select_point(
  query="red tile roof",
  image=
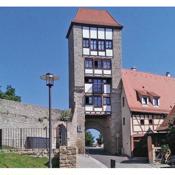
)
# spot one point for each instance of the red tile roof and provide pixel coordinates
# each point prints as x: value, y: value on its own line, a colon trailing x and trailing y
x: 97, y: 17
x: 94, y: 17
x: 161, y: 86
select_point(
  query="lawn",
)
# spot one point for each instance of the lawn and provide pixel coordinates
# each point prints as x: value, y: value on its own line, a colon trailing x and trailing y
x: 14, y: 160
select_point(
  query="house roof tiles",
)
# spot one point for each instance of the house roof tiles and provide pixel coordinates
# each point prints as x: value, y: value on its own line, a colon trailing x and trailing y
x: 155, y: 85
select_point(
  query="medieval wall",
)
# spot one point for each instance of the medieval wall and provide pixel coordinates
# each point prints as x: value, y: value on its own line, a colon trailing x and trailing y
x: 19, y: 122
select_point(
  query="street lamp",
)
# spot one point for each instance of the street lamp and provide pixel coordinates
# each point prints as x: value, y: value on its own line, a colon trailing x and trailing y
x: 49, y: 78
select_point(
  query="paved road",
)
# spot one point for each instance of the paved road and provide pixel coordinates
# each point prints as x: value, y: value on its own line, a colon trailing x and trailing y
x: 121, y: 161
x: 85, y: 161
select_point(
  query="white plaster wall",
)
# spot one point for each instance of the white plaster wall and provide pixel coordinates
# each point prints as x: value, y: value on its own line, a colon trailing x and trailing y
x: 85, y: 32
x: 88, y: 88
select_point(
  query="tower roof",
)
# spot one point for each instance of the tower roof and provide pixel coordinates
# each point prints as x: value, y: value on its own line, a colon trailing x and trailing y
x: 102, y: 18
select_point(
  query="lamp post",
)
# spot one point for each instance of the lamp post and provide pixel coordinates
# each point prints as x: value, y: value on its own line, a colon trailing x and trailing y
x: 49, y: 78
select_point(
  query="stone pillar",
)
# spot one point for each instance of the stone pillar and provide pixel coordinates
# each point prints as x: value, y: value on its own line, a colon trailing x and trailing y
x: 67, y: 157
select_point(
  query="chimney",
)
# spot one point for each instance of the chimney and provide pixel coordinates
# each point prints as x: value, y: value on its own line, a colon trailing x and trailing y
x: 168, y: 74
x: 133, y: 68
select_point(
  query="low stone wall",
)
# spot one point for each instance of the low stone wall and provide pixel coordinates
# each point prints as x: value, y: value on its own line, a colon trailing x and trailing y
x: 67, y: 157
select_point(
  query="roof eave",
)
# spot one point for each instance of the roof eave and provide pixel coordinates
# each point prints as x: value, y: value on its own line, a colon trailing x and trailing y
x: 120, y: 27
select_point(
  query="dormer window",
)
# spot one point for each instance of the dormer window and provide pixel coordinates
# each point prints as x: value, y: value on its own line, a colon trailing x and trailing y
x: 155, y: 101
x: 145, y: 100
x: 145, y: 96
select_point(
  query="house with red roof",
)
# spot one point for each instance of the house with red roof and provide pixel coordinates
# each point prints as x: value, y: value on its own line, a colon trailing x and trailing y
x: 147, y: 99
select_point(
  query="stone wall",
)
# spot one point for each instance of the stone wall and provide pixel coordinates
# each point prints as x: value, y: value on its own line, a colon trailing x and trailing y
x: 17, y: 115
x: 19, y: 122
x: 67, y: 157
x: 76, y: 130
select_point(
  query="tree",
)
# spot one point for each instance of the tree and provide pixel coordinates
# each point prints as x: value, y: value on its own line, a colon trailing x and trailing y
x: 100, y: 140
x: 10, y: 94
x: 171, y: 137
x: 89, y: 139
x: 66, y: 115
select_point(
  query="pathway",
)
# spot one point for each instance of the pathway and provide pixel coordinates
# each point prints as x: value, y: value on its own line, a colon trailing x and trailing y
x: 86, y: 161
x: 121, y: 161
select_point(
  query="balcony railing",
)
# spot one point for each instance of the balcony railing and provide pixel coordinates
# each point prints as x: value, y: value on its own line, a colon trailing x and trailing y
x: 98, y: 72
x: 103, y: 110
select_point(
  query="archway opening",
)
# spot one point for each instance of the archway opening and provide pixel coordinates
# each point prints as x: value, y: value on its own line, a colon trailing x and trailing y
x: 94, y: 141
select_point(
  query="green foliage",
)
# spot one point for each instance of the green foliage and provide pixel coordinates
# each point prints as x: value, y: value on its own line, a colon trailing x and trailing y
x: 14, y: 160
x: 10, y: 94
x: 171, y: 138
x: 89, y: 139
x: 66, y: 115
x: 100, y: 139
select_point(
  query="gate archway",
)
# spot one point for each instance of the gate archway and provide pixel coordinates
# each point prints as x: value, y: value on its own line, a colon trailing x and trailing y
x: 101, y: 125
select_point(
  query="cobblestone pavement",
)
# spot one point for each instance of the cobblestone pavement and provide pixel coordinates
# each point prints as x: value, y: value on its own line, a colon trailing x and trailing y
x: 121, y: 161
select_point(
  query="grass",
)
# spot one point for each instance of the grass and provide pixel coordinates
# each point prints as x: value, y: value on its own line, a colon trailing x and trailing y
x: 14, y: 160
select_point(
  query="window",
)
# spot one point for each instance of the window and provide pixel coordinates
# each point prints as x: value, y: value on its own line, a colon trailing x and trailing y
x: 108, y: 44
x: 123, y: 120
x: 101, y: 45
x: 107, y: 101
x: 155, y: 101
x: 88, y: 100
x: 106, y: 64
x: 85, y: 43
x: 150, y: 121
x: 104, y: 81
x: 93, y: 44
x: 97, y: 101
x: 88, y: 63
x: 123, y: 101
x: 88, y: 80
x: 142, y: 122
x: 144, y: 100
x: 98, y: 64
x: 97, y: 86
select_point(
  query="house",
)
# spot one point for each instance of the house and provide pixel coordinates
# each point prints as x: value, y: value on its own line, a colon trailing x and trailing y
x: 147, y: 99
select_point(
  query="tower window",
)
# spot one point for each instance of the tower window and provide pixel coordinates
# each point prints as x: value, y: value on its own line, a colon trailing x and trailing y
x: 107, y: 101
x: 93, y: 44
x: 85, y: 43
x: 106, y: 64
x: 97, y: 101
x: 88, y: 63
x: 98, y: 64
x: 88, y: 100
x: 97, y: 86
x: 108, y: 44
x: 101, y: 45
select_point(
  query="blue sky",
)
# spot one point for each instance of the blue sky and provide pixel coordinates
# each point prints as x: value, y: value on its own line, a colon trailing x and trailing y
x: 32, y: 42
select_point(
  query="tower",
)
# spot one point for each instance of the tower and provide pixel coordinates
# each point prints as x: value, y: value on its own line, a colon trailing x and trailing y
x: 94, y: 43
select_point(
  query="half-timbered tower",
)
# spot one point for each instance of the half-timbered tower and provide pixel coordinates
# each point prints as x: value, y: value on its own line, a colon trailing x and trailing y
x: 94, y: 39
